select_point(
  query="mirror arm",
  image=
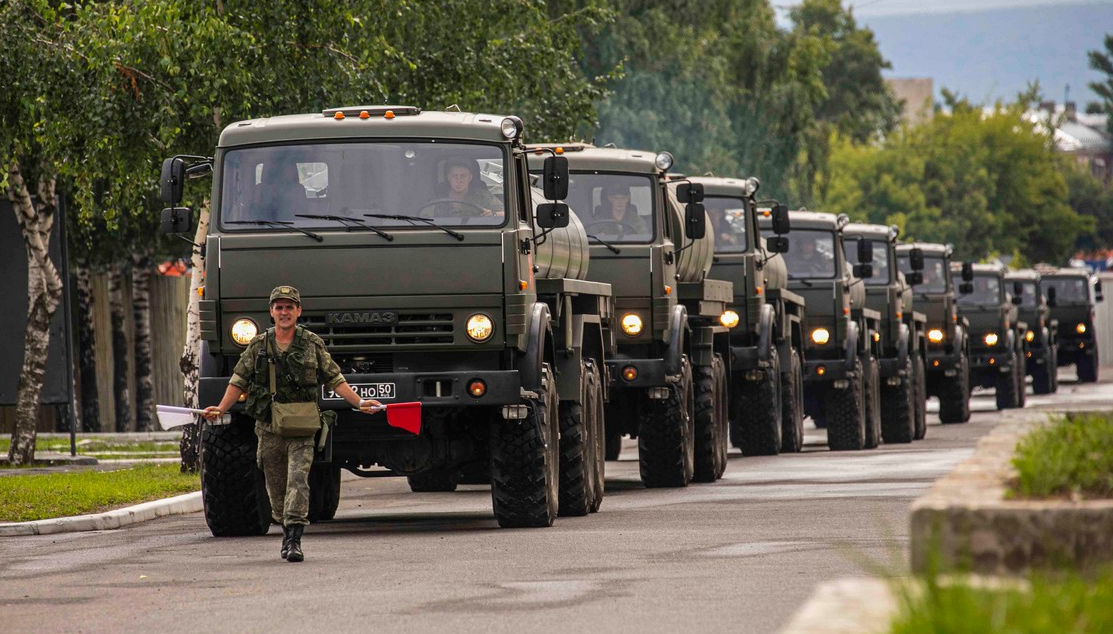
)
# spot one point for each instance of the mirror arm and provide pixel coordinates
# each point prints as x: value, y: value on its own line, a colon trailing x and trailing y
x: 191, y: 243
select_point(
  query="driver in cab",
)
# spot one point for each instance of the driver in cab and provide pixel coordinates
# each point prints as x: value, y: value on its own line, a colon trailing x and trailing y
x: 617, y: 213
x: 466, y: 195
x: 809, y: 260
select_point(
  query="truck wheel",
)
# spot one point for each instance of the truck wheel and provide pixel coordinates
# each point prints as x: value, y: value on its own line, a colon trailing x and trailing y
x: 873, y: 406
x: 898, y: 416
x: 1021, y: 373
x: 613, y: 444
x: 1088, y: 368
x: 600, y: 440
x: 233, y: 491
x: 665, y: 436
x: 1053, y: 366
x: 579, y: 450
x: 435, y: 481
x: 846, y: 413
x: 710, y: 427
x: 954, y: 394
x: 920, y: 407
x: 757, y: 412
x: 1007, y: 397
x: 324, y: 492
x: 792, y: 407
x: 525, y: 462
x: 1041, y: 375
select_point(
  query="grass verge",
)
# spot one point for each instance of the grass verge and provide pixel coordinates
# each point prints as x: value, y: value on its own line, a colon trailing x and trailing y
x: 103, y: 446
x: 34, y: 497
x: 1070, y: 458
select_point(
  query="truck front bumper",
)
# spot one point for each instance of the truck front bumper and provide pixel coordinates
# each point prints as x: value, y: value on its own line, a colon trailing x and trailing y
x: 646, y: 373
x: 986, y: 362
x: 943, y: 362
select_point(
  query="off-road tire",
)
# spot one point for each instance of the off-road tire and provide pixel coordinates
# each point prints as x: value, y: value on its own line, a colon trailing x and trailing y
x: 709, y: 387
x: 600, y: 436
x: 579, y: 447
x: 525, y: 462
x: 1021, y: 374
x: 898, y: 408
x: 846, y: 413
x: 792, y: 406
x: 666, y: 442
x: 954, y: 395
x: 441, y: 480
x: 1087, y: 368
x: 1041, y: 374
x: 233, y: 490
x: 873, y: 406
x: 324, y: 492
x: 1006, y: 384
x: 612, y: 444
x: 1053, y: 366
x: 757, y: 412
x: 920, y: 405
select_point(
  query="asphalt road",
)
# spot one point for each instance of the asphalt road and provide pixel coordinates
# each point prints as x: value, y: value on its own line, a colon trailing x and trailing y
x: 740, y: 555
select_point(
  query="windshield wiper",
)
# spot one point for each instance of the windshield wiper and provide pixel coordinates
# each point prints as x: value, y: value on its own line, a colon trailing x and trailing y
x: 605, y: 243
x: 411, y: 219
x: 801, y: 279
x: 285, y: 224
x: 355, y: 222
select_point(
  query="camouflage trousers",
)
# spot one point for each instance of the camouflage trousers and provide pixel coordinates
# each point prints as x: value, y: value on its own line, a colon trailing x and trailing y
x: 285, y: 463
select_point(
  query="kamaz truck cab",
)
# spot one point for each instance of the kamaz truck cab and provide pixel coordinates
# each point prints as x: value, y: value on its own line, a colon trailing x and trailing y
x: 903, y: 335
x: 997, y: 346
x: 1042, y: 335
x: 764, y: 317
x: 668, y: 378
x: 842, y: 335
x: 1072, y: 295
x: 434, y: 272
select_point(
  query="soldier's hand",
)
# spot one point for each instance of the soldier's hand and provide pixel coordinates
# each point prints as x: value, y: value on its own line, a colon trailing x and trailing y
x: 212, y: 413
x: 370, y: 406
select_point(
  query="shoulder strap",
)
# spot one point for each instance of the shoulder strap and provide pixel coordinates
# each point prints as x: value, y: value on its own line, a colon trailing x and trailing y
x: 271, y: 361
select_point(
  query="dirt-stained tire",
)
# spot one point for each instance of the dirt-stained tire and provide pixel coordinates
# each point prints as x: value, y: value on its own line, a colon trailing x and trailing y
x: 525, y: 462
x: 600, y: 436
x: 792, y: 406
x: 920, y: 378
x: 1041, y: 374
x: 757, y: 412
x: 580, y: 450
x: 666, y: 442
x: 1021, y: 374
x: 324, y: 492
x: 954, y: 395
x: 846, y: 413
x: 1053, y: 366
x: 898, y: 414
x: 873, y: 406
x: 1006, y: 385
x: 710, y: 422
x: 233, y: 490
x: 1088, y: 368
x: 434, y: 481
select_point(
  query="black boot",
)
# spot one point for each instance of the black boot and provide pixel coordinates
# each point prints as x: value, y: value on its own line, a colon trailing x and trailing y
x: 295, y: 553
x: 286, y: 541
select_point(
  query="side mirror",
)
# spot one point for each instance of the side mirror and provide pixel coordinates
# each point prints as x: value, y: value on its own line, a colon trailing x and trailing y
x: 552, y: 215
x: 695, y: 221
x: 781, y: 224
x: 172, y: 181
x: 1051, y: 293
x: 176, y: 220
x: 1099, y: 296
x: 1017, y: 300
x: 916, y: 259
x: 689, y: 192
x: 966, y: 288
x: 914, y: 278
x: 554, y: 178
x: 777, y: 244
x: 1018, y: 289
x: 968, y: 272
x: 865, y: 252
x: 863, y: 271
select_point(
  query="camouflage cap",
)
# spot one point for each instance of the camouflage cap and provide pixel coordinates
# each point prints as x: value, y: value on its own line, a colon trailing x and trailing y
x: 286, y: 292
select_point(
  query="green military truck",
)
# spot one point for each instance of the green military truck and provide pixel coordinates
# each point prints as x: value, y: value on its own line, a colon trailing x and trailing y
x: 765, y: 319
x: 1072, y: 295
x: 1042, y: 335
x: 997, y: 346
x: 668, y: 378
x: 434, y: 272
x: 948, y: 345
x: 842, y: 335
x: 903, y: 331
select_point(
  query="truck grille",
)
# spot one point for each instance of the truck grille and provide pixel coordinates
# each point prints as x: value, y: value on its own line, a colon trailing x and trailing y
x: 411, y: 329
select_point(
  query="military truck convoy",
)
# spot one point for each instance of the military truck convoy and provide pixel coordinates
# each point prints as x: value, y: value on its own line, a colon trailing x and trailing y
x: 542, y: 301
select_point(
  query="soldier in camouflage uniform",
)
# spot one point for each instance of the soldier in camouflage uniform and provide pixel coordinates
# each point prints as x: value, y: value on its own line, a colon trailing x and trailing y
x: 302, y: 366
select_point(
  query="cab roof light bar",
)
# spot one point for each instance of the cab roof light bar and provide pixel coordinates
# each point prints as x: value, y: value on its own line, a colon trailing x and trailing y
x: 374, y: 111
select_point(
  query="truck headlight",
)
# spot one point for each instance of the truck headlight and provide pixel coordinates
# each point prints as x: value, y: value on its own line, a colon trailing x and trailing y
x: 631, y: 324
x: 480, y: 327
x: 821, y: 336
x: 1030, y: 336
x: 935, y: 335
x: 1080, y: 329
x: 729, y: 319
x: 243, y: 331
x: 991, y: 339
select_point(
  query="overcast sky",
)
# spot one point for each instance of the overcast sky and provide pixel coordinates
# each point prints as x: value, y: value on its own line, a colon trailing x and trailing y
x: 867, y: 8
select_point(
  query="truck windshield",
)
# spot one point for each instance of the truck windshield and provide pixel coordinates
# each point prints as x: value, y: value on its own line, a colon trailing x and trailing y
x: 1068, y: 290
x: 727, y: 218
x: 935, y: 272
x: 811, y: 254
x: 452, y: 184
x: 880, y: 260
x: 987, y: 292
x: 613, y: 207
x: 1028, y: 295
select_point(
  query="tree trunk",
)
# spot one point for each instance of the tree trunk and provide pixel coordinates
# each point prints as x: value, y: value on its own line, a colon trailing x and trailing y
x: 44, y: 293
x: 141, y: 314
x: 190, y: 447
x: 87, y: 351
x: 120, y: 355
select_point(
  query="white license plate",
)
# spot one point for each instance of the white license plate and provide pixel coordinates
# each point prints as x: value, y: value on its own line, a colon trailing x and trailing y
x: 377, y: 391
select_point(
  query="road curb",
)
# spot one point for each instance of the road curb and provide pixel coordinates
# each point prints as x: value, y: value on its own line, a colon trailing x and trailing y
x: 846, y: 606
x: 177, y: 505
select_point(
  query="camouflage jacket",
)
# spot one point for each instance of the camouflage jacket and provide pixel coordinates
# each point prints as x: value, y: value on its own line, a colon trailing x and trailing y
x: 299, y: 372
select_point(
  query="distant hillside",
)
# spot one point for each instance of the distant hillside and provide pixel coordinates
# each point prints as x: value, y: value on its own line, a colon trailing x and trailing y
x: 993, y: 54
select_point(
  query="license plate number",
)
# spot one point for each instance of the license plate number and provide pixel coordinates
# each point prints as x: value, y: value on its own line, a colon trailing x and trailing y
x: 377, y: 391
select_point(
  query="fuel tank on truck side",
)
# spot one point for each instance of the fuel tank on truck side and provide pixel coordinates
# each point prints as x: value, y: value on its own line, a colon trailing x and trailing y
x: 564, y: 253
x: 694, y: 262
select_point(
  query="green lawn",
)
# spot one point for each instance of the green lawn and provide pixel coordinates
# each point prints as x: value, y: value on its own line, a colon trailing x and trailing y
x: 105, y: 447
x: 35, y: 497
x: 1070, y: 457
